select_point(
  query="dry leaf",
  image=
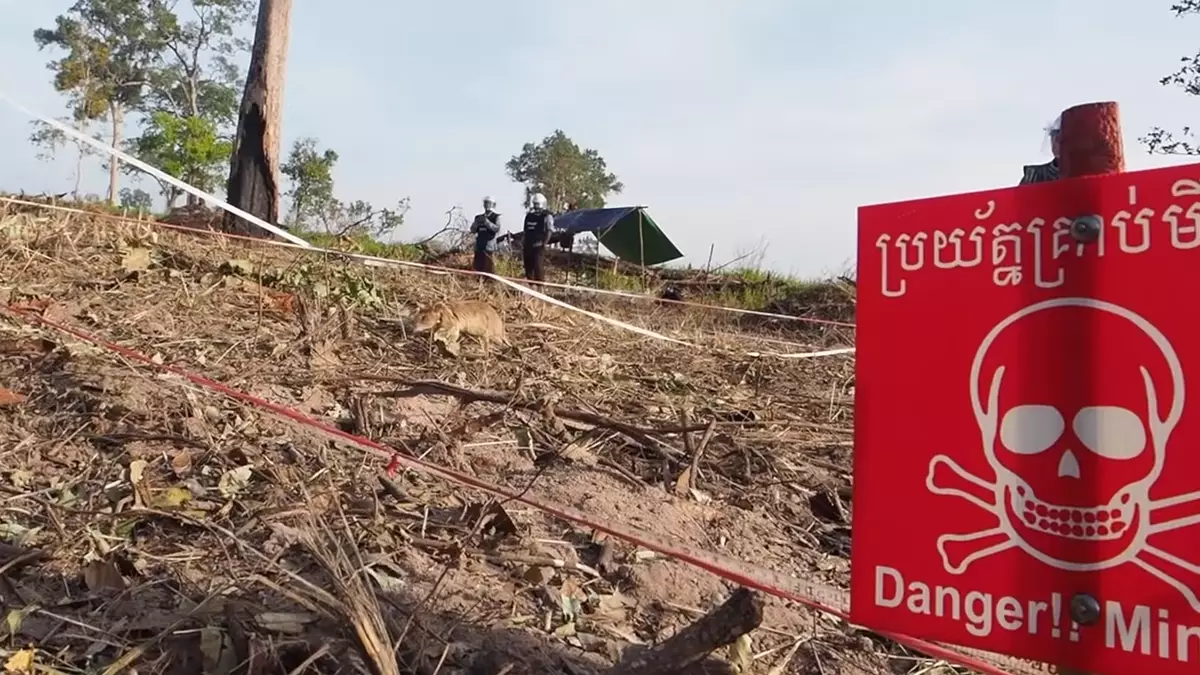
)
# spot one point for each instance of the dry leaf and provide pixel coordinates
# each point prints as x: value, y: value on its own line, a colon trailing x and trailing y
x: 101, y: 575
x: 684, y: 482
x: 217, y: 651
x: 524, y: 440
x: 181, y: 463
x: 284, y: 622
x: 580, y: 452
x: 387, y: 582
x: 611, y: 607
x: 16, y: 617
x: 20, y: 478
x: 10, y: 397
x: 743, y: 655
x: 21, y: 662
x: 137, y: 478
x: 173, y: 498
x: 14, y: 532
x: 137, y: 471
x: 539, y: 575
x: 136, y: 260
x: 234, y: 481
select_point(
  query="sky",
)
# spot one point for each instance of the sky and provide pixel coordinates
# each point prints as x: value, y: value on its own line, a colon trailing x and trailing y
x: 744, y: 125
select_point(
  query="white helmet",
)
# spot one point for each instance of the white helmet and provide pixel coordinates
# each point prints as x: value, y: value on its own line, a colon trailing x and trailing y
x: 1055, y: 127
x: 488, y: 201
x: 538, y: 200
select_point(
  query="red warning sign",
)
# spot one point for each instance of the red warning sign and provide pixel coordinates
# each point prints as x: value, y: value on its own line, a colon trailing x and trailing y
x: 1027, y: 471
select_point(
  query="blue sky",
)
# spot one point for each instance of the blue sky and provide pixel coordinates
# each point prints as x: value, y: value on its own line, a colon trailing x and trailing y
x: 741, y: 123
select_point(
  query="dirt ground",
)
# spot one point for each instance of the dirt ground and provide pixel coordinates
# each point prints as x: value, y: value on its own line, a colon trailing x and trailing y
x: 150, y: 525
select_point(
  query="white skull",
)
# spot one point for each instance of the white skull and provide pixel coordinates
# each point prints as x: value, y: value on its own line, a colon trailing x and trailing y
x: 1068, y: 395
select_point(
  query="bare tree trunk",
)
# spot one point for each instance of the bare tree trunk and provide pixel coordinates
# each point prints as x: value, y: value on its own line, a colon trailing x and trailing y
x: 254, y: 167
x: 79, y: 160
x: 114, y: 164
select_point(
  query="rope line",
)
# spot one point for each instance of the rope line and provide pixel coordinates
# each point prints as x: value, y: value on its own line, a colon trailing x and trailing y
x: 835, y: 601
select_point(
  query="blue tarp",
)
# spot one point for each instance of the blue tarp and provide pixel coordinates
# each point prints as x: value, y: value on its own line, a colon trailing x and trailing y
x: 591, y: 220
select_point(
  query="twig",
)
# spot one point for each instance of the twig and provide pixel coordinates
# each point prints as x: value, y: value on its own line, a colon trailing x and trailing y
x: 543, y: 562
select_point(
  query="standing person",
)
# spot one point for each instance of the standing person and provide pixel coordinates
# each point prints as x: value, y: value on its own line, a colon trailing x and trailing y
x: 485, y: 227
x: 538, y: 225
x: 1041, y: 173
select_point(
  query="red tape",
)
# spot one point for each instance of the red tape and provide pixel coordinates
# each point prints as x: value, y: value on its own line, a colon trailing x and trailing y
x: 729, y: 569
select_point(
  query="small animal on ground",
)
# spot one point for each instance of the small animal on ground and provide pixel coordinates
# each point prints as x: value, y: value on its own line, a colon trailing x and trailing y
x: 450, y: 319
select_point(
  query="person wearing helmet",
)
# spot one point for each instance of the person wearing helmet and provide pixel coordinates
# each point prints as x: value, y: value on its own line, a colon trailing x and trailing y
x: 1041, y: 173
x: 485, y: 227
x: 538, y: 226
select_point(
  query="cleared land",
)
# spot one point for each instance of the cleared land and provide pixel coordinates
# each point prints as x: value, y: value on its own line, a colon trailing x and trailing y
x: 153, y: 525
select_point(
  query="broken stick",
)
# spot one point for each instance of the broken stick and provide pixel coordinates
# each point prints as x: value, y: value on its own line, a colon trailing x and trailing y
x: 740, y: 614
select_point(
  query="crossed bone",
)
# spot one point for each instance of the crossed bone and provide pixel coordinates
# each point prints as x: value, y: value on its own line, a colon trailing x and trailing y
x: 959, y: 551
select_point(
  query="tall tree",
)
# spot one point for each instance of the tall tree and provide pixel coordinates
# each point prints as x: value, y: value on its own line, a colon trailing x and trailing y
x: 564, y: 172
x: 190, y: 108
x: 253, y: 184
x: 111, y: 48
x: 1187, y: 77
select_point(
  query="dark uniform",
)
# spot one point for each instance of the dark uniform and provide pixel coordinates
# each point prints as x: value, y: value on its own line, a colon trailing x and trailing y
x: 1040, y: 173
x: 485, y: 227
x: 538, y: 225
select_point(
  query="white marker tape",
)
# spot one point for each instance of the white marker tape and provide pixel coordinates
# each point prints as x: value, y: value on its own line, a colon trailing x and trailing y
x: 158, y: 174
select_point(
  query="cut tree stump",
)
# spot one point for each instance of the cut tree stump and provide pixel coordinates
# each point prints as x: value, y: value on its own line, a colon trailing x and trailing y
x: 740, y: 614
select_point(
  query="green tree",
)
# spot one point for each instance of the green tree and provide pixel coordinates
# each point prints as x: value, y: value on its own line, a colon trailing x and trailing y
x: 111, y: 48
x: 564, y: 173
x: 197, y: 76
x: 315, y: 208
x: 191, y: 103
x: 1187, y: 77
x: 310, y: 172
x: 188, y: 148
x: 136, y: 200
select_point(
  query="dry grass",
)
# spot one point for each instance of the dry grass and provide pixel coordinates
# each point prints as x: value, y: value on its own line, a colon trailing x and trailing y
x: 154, y: 526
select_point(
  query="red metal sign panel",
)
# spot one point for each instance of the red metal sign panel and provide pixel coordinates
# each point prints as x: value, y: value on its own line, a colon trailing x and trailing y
x: 1024, y: 454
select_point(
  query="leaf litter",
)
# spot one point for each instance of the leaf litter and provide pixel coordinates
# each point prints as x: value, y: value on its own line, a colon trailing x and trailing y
x: 147, y: 524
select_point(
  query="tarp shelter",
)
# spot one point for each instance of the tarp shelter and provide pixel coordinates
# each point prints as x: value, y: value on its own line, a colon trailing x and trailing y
x: 628, y: 231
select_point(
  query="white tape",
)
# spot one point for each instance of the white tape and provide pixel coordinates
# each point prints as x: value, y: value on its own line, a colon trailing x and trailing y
x: 369, y: 259
x: 214, y: 201
x: 805, y: 355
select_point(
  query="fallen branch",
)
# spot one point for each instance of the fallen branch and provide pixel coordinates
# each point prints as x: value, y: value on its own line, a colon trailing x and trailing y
x: 643, y: 435
x: 740, y: 614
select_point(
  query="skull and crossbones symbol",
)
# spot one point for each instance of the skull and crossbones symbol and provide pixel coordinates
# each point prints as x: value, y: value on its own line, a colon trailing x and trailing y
x: 1076, y: 444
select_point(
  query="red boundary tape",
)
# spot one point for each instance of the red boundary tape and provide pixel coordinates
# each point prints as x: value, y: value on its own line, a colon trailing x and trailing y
x: 709, y: 562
